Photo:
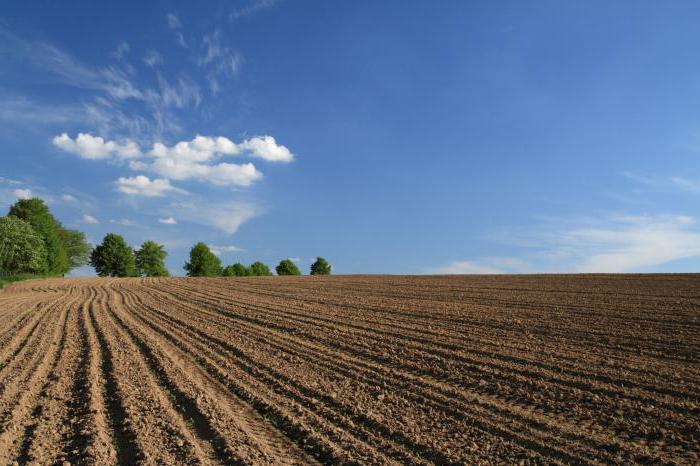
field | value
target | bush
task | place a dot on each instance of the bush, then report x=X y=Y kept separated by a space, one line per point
x=287 y=267
x=203 y=262
x=259 y=269
x=150 y=260
x=113 y=258
x=21 y=248
x=320 y=267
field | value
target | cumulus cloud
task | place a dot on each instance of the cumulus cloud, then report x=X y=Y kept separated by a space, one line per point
x=143 y=186
x=265 y=147
x=168 y=221
x=23 y=193
x=89 y=219
x=196 y=159
x=68 y=198
x=92 y=147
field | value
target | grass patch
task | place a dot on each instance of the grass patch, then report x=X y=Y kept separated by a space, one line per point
x=15 y=278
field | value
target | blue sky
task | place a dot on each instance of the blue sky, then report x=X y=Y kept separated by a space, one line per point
x=390 y=137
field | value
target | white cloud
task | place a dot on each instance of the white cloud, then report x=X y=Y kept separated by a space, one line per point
x=168 y=221
x=465 y=268
x=123 y=222
x=252 y=7
x=633 y=243
x=143 y=186
x=267 y=148
x=68 y=198
x=219 y=61
x=295 y=259
x=121 y=50
x=224 y=216
x=153 y=58
x=23 y=193
x=218 y=250
x=92 y=147
x=89 y=219
x=174 y=21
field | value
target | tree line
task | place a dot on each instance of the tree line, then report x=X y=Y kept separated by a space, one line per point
x=32 y=241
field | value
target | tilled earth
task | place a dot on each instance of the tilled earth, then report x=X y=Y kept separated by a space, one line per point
x=362 y=369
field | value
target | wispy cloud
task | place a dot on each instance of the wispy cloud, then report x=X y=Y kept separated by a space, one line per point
x=224 y=216
x=219 y=61
x=604 y=245
x=168 y=221
x=252 y=7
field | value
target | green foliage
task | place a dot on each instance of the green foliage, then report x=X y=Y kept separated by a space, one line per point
x=113 y=258
x=203 y=262
x=259 y=269
x=22 y=250
x=236 y=270
x=37 y=214
x=287 y=267
x=150 y=260
x=320 y=267
x=240 y=270
x=77 y=247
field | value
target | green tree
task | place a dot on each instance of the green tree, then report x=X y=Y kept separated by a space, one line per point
x=21 y=248
x=287 y=267
x=320 y=267
x=77 y=247
x=235 y=270
x=37 y=214
x=150 y=260
x=113 y=258
x=203 y=262
x=240 y=270
x=259 y=269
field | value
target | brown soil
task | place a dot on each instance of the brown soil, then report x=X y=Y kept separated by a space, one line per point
x=302 y=370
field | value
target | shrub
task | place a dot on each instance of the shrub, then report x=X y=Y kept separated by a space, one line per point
x=259 y=269
x=287 y=267
x=113 y=258
x=203 y=262
x=320 y=267
x=150 y=260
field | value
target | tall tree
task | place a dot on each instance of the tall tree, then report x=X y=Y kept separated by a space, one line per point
x=113 y=258
x=259 y=269
x=287 y=267
x=203 y=262
x=21 y=248
x=320 y=267
x=77 y=247
x=150 y=260
x=37 y=214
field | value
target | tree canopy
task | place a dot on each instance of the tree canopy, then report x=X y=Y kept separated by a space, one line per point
x=150 y=260
x=287 y=267
x=259 y=269
x=320 y=267
x=203 y=262
x=21 y=248
x=37 y=214
x=113 y=258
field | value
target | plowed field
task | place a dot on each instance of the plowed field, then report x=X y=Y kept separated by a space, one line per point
x=542 y=369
